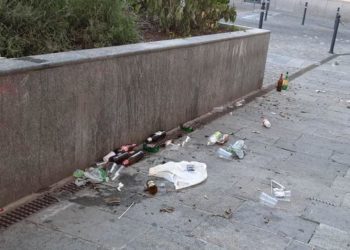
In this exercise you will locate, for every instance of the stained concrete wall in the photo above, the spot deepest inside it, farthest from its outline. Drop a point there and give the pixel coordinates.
(60, 112)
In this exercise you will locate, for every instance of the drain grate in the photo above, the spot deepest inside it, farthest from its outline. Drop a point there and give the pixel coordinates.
(34, 206)
(70, 187)
(322, 201)
(25, 210)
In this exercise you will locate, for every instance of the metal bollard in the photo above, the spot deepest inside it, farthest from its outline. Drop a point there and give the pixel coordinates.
(267, 9)
(338, 10)
(262, 15)
(305, 9)
(336, 26)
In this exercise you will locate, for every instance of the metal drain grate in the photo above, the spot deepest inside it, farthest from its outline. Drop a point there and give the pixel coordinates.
(34, 206)
(70, 187)
(322, 201)
(25, 210)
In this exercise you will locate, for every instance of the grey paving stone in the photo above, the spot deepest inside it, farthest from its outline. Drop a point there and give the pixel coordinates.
(341, 184)
(330, 238)
(346, 201)
(328, 194)
(296, 245)
(275, 220)
(270, 151)
(25, 235)
(235, 235)
(341, 158)
(262, 137)
(184, 219)
(215, 201)
(331, 144)
(304, 147)
(347, 174)
(312, 168)
(164, 239)
(338, 217)
(90, 224)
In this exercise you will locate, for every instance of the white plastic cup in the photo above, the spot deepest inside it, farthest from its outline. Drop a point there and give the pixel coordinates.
(267, 200)
(222, 153)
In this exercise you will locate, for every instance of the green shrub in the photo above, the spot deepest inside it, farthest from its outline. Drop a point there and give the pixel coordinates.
(30, 27)
(185, 16)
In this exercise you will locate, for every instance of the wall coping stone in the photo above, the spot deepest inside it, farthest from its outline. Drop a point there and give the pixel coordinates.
(21, 65)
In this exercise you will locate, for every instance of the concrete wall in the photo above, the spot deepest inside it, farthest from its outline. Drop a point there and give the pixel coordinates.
(60, 112)
(317, 8)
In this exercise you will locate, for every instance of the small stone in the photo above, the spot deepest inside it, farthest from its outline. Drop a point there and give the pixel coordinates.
(167, 210)
(112, 201)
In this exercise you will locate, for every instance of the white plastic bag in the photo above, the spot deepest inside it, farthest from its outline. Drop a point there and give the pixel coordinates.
(183, 174)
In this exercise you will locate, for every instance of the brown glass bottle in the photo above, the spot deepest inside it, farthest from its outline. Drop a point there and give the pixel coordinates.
(151, 187)
(156, 137)
(120, 157)
(280, 83)
(127, 148)
(133, 158)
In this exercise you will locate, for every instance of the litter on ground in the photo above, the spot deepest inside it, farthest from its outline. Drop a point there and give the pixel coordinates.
(177, 173)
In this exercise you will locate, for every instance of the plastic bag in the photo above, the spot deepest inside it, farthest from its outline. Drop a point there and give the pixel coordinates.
(179, 174)
(96, 175)
(237, 148)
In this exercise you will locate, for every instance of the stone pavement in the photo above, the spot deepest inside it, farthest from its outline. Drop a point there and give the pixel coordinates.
(307, 149)
(293, 46)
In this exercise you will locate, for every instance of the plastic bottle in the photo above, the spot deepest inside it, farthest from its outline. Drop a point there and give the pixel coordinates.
(222, 153)
(214, 138)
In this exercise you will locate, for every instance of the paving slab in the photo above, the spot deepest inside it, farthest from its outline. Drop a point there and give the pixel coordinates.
(183, 219)
(346, 201)
(163, 239)
(330, 238)
(341, 158)
(333, 216)
(27, 235)
(274, 220)
(341, 184)
(235, 235)
(90, 224)
(297, 245)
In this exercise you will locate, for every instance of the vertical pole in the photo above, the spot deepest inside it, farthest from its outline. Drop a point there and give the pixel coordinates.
(267, 9)
(305, 9)
(262, 15)
(336, 26)
(338, 10)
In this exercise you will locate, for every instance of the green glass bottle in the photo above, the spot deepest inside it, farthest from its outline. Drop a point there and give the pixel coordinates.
(285, 82)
